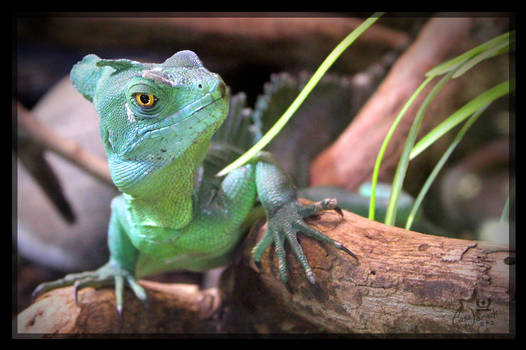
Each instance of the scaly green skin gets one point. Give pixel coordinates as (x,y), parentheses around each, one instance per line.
(165,218)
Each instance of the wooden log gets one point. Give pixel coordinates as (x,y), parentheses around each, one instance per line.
(403,283)
(171,308)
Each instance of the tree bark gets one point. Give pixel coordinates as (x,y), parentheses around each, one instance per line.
(403,282)
(171,309)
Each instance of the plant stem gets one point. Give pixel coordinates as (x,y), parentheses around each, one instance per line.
(439,165)
(386,142)
(403,163)
(282,121)
(460,115)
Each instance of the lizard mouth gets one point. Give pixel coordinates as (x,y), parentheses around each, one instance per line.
(217,93)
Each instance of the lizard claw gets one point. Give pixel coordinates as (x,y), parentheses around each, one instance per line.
(339,211)
(342,247)
(329,204)
(285,224)
(76,292)
(105,275)
(326,204)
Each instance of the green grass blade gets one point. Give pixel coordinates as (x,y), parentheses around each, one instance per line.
(460,115)
(403,163)
(455,67)
(497,50)
(326,64)
(431,178)
(387,138)
(457,61)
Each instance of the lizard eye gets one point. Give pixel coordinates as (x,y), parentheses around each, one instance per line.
(146,100)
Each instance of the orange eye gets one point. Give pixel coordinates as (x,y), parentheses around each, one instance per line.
(145,100)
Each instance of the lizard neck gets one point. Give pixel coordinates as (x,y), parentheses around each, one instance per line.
(164,198)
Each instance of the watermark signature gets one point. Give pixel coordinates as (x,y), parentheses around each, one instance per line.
(480,315)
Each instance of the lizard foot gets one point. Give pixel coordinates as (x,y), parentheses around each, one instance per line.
(105,275)
(285,223)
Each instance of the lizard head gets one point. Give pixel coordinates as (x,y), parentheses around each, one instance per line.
(152,114)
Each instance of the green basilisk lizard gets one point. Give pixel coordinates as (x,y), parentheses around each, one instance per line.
(157,122)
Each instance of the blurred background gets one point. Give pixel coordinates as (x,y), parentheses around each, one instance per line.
(62,210)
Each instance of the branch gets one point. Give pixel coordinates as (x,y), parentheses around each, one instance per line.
(68,149)
(404,282)
(138,30)
(175,308)
(440,39)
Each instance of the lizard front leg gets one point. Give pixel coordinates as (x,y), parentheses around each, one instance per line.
(286,217)
(120,268)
